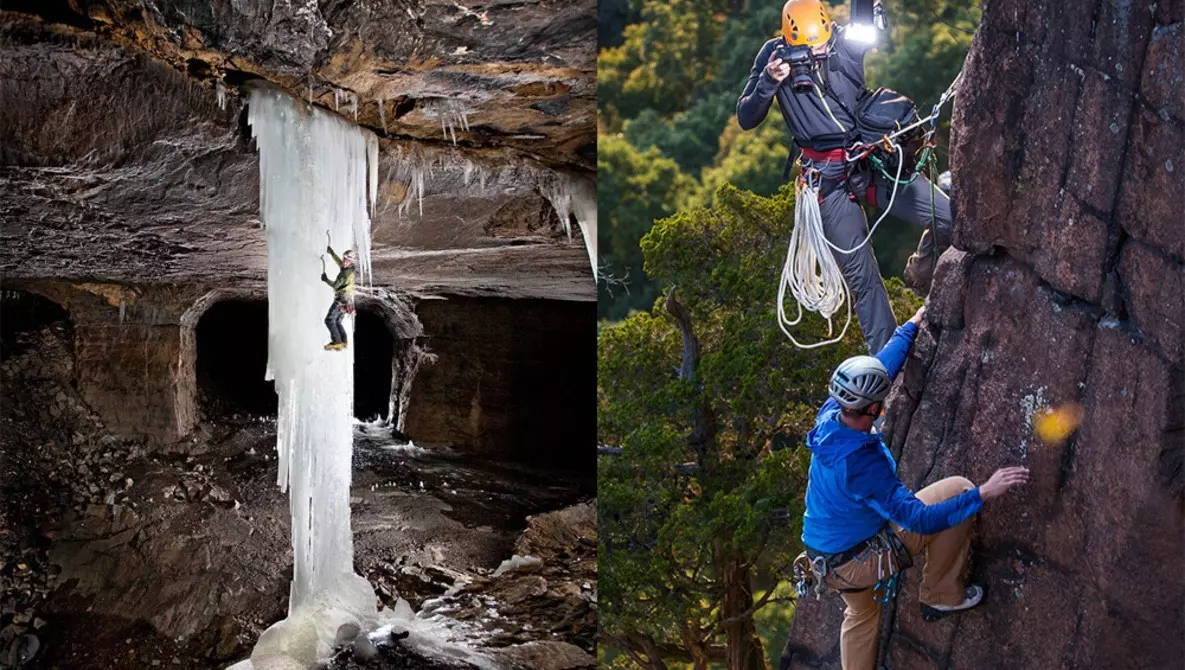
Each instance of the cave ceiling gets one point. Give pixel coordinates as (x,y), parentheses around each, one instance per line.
(125,154)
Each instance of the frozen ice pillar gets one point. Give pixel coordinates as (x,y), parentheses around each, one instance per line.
(317,173)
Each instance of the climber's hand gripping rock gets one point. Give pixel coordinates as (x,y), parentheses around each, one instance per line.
(1003,480)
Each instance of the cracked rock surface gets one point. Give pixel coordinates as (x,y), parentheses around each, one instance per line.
(1065,286)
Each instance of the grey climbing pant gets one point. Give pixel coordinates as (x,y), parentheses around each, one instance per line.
(845,225)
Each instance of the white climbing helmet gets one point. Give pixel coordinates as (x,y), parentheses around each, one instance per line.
(859,381)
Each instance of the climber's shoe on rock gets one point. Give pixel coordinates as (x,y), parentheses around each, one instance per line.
(331,346)
(917,275)
(972,596)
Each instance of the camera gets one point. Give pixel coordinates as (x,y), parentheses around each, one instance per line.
(801,63)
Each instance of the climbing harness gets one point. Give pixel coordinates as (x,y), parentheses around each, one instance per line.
(810,572)
(811,273)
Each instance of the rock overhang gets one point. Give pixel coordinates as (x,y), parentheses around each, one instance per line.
(165,187)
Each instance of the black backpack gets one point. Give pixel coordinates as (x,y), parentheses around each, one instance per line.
(884,112)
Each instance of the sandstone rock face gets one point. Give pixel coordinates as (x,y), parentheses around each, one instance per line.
(523,371)
(1065,287)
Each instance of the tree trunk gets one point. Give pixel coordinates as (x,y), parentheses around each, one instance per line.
(745,649)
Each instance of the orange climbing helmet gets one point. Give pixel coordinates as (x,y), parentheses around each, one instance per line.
(805,22)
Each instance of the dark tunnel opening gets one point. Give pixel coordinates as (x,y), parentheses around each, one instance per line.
(374,349)
(22,312)
(232,359)
(52,11)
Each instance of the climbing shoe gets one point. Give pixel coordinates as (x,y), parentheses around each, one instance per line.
(342,345)
(918,275)
(972,596)
(331,346)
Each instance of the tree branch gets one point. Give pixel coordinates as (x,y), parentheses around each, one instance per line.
(691,348)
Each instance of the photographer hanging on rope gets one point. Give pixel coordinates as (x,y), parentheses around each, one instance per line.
(852,152)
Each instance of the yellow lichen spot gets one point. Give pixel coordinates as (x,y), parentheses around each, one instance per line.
(1053,425)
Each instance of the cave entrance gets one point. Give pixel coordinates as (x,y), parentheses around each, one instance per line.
(22,312)
(232,359)
(374,351)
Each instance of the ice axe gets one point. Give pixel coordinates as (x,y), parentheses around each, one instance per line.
(328,243)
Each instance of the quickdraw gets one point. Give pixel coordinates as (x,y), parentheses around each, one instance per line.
(810,575)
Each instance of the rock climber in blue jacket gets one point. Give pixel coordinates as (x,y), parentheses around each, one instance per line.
(862,525)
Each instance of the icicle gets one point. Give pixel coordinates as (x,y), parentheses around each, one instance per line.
(220,93)
(314,176)
(337,100)
(451,113)
(420,189)
(383,114)
(372,159)
(575,196)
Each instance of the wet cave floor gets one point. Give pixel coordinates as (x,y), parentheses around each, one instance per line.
(107,545)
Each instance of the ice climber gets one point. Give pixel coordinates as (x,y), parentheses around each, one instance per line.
(818,105)
(343,297)
(862,526)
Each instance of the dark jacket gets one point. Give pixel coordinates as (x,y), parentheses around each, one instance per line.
(820,119)
(852,487)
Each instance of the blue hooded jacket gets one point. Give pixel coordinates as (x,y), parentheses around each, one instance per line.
(853,487)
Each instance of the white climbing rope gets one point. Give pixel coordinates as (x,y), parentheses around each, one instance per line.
(810,272)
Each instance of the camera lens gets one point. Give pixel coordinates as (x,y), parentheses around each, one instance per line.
(802,79)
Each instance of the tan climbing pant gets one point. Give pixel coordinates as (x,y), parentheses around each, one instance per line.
(942,577)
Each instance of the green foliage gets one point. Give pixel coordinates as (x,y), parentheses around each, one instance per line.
(660,61)
(752,160)
(667,531)
(633,189)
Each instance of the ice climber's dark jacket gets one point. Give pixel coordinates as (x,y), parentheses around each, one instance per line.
(852,487)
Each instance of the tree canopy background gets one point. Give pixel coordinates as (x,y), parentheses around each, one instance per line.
(669,74)
(707,402)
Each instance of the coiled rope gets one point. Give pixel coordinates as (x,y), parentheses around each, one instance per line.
(811,273)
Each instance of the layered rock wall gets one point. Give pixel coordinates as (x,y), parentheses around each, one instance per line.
(1065,286)
(511,378)
(134,359)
